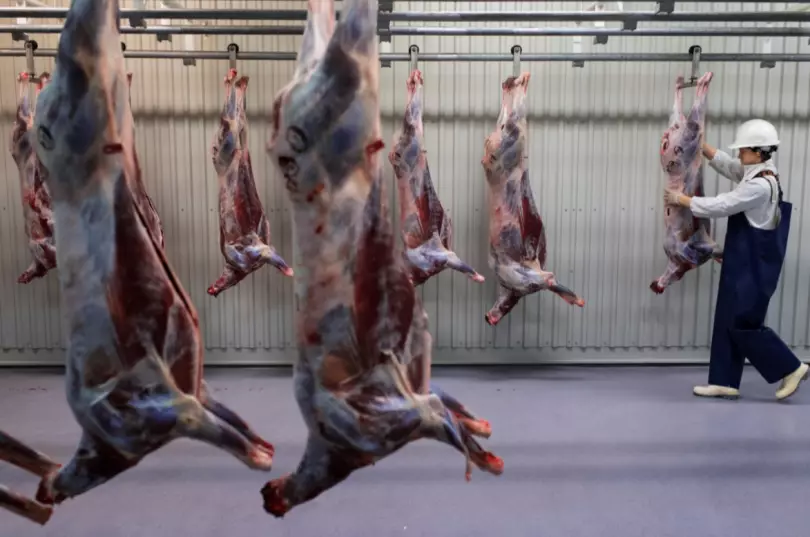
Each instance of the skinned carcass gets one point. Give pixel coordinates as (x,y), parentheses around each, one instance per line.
(426,228)
(22,456)
(244,231)
(138,188)
(36,200)
(134,361)
(688,242)
(517,237)
(362,378)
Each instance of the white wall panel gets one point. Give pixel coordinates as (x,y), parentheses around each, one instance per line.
(594,165)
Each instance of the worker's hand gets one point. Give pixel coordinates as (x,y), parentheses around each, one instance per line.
(672,197)
(708,151)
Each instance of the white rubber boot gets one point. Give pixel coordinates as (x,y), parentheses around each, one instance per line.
(791,382)
(721,392)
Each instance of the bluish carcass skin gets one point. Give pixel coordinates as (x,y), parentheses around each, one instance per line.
(36,199)
(27,458)
(134,360)
(688,242)
(244,231)
(517,237)
(362,378)
(426,229)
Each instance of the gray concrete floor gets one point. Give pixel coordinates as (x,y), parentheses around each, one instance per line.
(618,452)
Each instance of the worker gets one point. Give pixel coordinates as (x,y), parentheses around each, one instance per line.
(756,240)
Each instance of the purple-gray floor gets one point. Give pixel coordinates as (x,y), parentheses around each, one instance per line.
(614,452)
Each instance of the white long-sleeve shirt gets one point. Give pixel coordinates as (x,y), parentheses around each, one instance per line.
(752,195)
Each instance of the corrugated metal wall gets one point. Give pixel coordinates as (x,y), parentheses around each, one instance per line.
(594,166)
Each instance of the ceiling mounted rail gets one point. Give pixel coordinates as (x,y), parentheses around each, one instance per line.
(434,31)
(627,17)
(291,56)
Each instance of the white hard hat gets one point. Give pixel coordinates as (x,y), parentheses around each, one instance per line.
(755,133)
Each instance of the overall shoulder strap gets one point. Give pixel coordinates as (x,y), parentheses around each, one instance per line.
(775,176)
(770,175)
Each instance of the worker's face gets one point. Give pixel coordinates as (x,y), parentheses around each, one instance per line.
(749,156)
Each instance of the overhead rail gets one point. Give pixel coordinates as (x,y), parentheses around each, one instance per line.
(291,56)
(630,18)
(770,31)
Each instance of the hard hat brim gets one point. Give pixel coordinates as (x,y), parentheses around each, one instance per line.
(740,146)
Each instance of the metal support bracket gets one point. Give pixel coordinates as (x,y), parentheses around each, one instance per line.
(516,51)
(414,52)
(30,48)
(766,49)
(233,50)
(163,36)
(577,49)
(383,22)
(600,40)
(666,7)
(695,52)
(385,7)
(629,24)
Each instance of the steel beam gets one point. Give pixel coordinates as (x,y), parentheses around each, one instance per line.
(438,31)
(441,16)
(291,56)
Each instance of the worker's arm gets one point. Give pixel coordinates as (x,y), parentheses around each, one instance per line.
(746,196)
(723,163)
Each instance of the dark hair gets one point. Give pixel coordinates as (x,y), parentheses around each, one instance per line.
(765,152)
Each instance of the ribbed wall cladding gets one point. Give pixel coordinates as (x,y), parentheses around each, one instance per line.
(595,171)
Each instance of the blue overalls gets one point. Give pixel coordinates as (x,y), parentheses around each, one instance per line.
(752,262)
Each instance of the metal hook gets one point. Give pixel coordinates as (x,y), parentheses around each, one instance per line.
(233,50)
(30,48)
(414,52)
(695,51)
(516,50)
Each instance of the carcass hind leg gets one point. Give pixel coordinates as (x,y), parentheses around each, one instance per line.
(321,468)
(35,270)
(228,279)
(472,424)
(24,507)
(506,301)
(449,430)
(672,274)
(232,418)
(267,254)
(564,292)
(195,421)
(455,263)
(318,31)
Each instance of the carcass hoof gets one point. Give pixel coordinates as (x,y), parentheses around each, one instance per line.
(656,288)
(213,291)
(261,459)
(490,319)
(273,496)
(480,428)
(488,462)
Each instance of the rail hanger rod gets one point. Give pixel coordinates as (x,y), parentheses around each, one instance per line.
(291,56)
(446,16)
(436,31)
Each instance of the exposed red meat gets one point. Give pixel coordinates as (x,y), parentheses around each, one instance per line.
(517,237)
(244,232)
(36,200)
